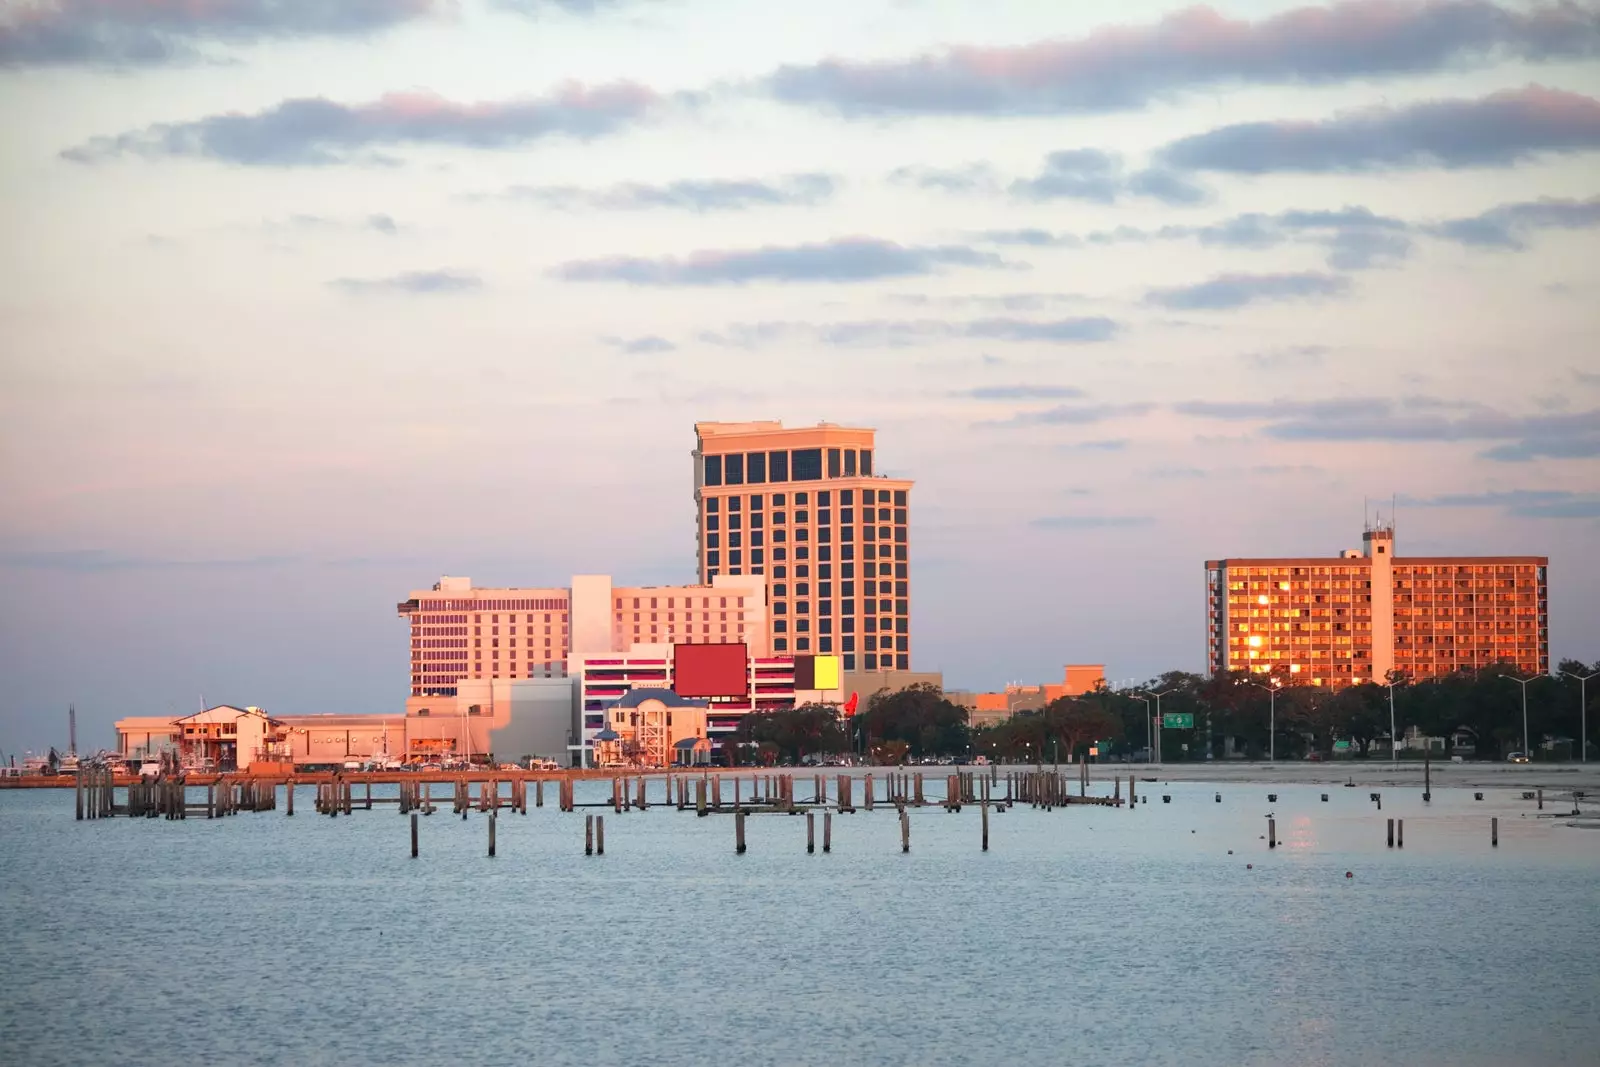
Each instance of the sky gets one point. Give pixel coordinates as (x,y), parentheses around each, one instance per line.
(305,304)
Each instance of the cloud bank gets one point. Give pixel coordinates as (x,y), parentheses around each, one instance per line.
(843,259)
(143,33)
(1415,419)
(1497,130)
(317,132)
(1125,67)
(1101,178)
(414,282)
(903,333)
(688,195)
(1228,291)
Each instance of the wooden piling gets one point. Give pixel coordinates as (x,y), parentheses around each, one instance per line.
(492,817)
(811,832)
(1494,833)
(288,796)
(413,835)
(905,831)
(1391,833)
(1272,833)
(1400,833)
(738,833)
(599,835)
(1541,798)
(827,831)
(588,835)
(986,826)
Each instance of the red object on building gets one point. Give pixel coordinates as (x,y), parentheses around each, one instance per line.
(850,705)
(711,670)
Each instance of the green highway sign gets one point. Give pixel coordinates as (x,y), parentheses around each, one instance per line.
(1178,720)
(1341,746)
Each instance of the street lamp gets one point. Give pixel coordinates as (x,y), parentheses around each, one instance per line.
(1159,720)
(1149,740)
(1394,746)
(1272,722)
(1526,751)
(1583,711)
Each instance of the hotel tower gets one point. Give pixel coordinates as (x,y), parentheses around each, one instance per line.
(803,508)
(1358,616)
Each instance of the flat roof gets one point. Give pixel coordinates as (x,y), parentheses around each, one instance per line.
(1360,561)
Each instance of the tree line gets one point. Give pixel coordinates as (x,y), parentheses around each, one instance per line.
(1479,713)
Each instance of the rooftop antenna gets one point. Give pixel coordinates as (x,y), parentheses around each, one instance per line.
(72,730)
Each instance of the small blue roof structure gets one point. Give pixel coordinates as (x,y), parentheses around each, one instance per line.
(687,743)
(634,697)
(607,734)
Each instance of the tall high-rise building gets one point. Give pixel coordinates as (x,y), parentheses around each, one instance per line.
(803,508)
(1358,616)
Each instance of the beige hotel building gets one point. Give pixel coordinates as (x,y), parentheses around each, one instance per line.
(802,508)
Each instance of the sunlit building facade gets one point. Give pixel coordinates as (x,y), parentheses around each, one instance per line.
(803,508)
(462,633)
(1361,615)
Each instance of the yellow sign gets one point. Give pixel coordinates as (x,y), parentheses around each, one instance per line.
(827,672)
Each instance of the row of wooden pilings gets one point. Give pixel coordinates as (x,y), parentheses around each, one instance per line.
(706,792)
(150,797)
(94,797)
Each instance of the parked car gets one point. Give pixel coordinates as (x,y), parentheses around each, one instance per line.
(1314,757)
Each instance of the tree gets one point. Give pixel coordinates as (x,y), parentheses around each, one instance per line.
(919,716)
(796,732)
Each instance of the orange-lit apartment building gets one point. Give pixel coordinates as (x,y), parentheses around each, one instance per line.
(802,508)
(1358,616)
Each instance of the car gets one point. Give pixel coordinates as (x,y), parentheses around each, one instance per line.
(1517,757)
(1314,757)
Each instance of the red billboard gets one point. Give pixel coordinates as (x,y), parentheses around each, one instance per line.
(721,670)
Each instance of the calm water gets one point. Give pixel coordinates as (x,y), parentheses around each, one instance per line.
(1083,936)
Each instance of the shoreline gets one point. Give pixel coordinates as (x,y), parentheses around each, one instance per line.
(1481,775)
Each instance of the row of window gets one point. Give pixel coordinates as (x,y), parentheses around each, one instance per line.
(846,607)
(803,552)
(495,604)
(824,499)
(847,516)
(824,536)
(429,620)
(782,465)
(872,661)
(846,588)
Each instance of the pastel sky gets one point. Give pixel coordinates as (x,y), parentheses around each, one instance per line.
(305,303)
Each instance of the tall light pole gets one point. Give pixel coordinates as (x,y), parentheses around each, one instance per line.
(1394,742)
(1149,739)
(1526,751)
(1583,711)
(1272,722)
(1158,720)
